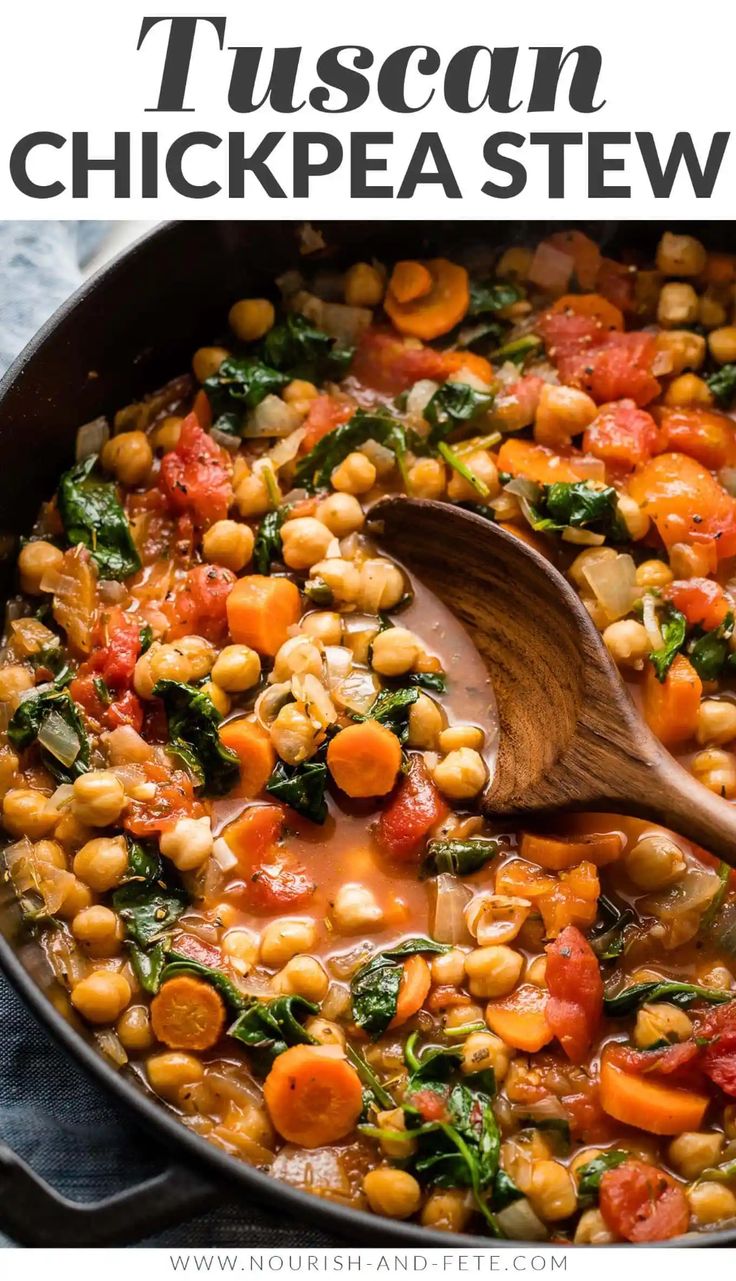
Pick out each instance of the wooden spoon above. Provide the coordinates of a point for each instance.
(570, 737)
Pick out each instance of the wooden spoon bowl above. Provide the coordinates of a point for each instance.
(570, 736)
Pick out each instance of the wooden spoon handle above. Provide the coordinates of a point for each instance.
(670, 795)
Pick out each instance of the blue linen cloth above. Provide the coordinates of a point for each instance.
(51, 1114)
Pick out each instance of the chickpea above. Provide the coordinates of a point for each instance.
(592, 1229)
(206, 361)
(711, 311)
(427, 478)
(457, 736)
(677, 306)
(77, 897)
(653, 573)
(102, 996)
(25, 813)
(303, 976)
(305, 541)
(100, 928)
(636, 521)
(447, 1210)
(166, 436)
(661, 1022)
(169, 1073)
(217, 696)
(425, 724)
(395, 651)
(382, 583)
(716, 721)
(552, 1191)
(536, 972)
(241, 947)
(355, 908)
(483, 1050)
(251, 318)
(461, 775)
(8, 770)
(188, 843)
(190, 658)
(729, 1121)
(692, 1152)
(688, 389)
(711, 1202)
(687, 561)
(363, 285)
(654, 862)
(399, 1149)
(37, 559)
(326, 1032)
(237, 668)
(483, 467)
(342, 577)
(717, 976)
(590, 556)
(356, 474)
(463, 1016)
(293, 734)
(14, 681)
(129, 457)
(722, 344)
(514, 263)
(324, 626)
(449, 968)
(562, 412)
(298, 391)
(627, 642)
(716, 770)
(98, 798)
(102, 863)
(298, 656)
(252, 495)
(341, 513)
(685, 349)
(50, 852)
(285, 938)
(493, 971)
(134, 1028)
(393, 1193)
(680, 255)
(228, 543)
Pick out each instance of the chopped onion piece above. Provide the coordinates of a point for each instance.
(582, 537)
(451, 897)
(111, 1046)
(125, 746)
(270, 701)
(649, 620)
(518, 1222)
(61, 797)
(613, 582)
(383, 458)
(344, 323)
(91, 437)
(111, 591)
(226, 440)
(287, 449)
(419, 397)
(273, 417)
(338, 664)
(59, 738)
(226, 811)
(357, 691)
(223, 855)
(311, 694)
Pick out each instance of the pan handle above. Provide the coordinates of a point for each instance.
(32, 1213)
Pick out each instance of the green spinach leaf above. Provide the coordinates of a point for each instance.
(452, 405)
(268, 1028)
(517, 350)
(682, 994)
(315, 468)
(267, 547)
(493, 296)
(589, 1176)
(371, 1082)
(434, 681)
(55, 706)
(302, 786)
(577, 505)
(608, 939)
(459, 858)
(723, 384)
(375, 986)
(299, 347)
(53, 659)
(240, 384)
(194, 738)
(709, 654)
(391, 708)
(148, 965)
(91, 514)
(673, 628)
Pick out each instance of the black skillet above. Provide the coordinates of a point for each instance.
(125, 332)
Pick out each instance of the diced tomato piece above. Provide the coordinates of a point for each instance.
(126, 710)
(173, 799)
(686, 503)
(588, 1122)
(608, 365)
(385, 363)
(680, 1061)
(195, 476)
(641, 1203)
(575, 1004)
(585, 254)
(415, 807)
(702, 600)
(719, 1057)
(119, 655)
(429, 1104)
(277, 885)
(204, 953)
(199, 606)
(572, 900)
(617, 283)
(700, 433)
(325, 414)
(622, 434)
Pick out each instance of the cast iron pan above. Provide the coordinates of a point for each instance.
(126, 331)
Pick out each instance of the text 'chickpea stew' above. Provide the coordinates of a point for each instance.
(243, 752)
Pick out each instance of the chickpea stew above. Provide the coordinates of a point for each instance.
(243, 753)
